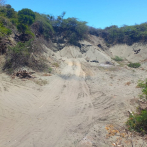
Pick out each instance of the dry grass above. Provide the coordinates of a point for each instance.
(127, 84)
(121, 137)
(41, 82)
(46, 74)
(56, 64)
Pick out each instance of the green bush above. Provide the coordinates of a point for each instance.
(24, 54)
(138, 122)
(22, 48)
(116, 58)
(125, 34)
(49, 69)
(8, 11)
(18, 56)
(14, 21)
(70, 29)
(74, 30)
(4, 31)
(11, 13)
(134, 65)
(143, 85)
(43, 25)
(26, 17)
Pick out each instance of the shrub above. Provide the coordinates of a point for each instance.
(74, 30)
(24, 54)
(4, 31)
(11, 13)
(43, 26)
(8, 11)
(125, 34)
(41, 82)
(138, 122)
(6, 22)
(56, 64)
(26, 17)
(134, 65)
(143, 85)
(71, 29)
(14, 21)
(18, 56)
(116, 58)
(5, 26)
(49, 69)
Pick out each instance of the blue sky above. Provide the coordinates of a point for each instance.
(98, 13)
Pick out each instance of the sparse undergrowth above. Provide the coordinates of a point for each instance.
(23, 54)
(143, 85)
(138, 121)
(56, 65)
(119, 136)
(49, 69)
(116, 58)
(41, 82)
(134, 65)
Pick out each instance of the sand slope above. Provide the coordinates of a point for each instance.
(127, 52)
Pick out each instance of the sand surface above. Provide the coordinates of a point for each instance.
(72, 109)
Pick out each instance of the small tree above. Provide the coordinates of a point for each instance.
(8, 6)
(26, 17)
(134, 65)
(75, 30)
(10, 12)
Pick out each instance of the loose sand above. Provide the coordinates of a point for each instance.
(72, 109)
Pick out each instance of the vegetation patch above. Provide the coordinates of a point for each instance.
(26, 17)
(134, 65)
(41, 82)
(125, 34)
(143, 85)
(4, 31)
(42, 26)
(56, 65)
(49, 69)
(71, 29)
(138, 121)
(116, 58)
(23, 55)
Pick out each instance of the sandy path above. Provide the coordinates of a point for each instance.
(47, 118)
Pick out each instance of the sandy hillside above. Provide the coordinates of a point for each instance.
(127, 52)
(73, 107)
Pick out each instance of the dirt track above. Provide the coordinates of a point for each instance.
(71, 111)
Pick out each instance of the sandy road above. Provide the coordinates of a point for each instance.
(47, 118)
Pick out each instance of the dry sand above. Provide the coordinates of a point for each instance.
(72, 109)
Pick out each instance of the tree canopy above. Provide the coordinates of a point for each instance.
(26, 17)
(125, 34)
